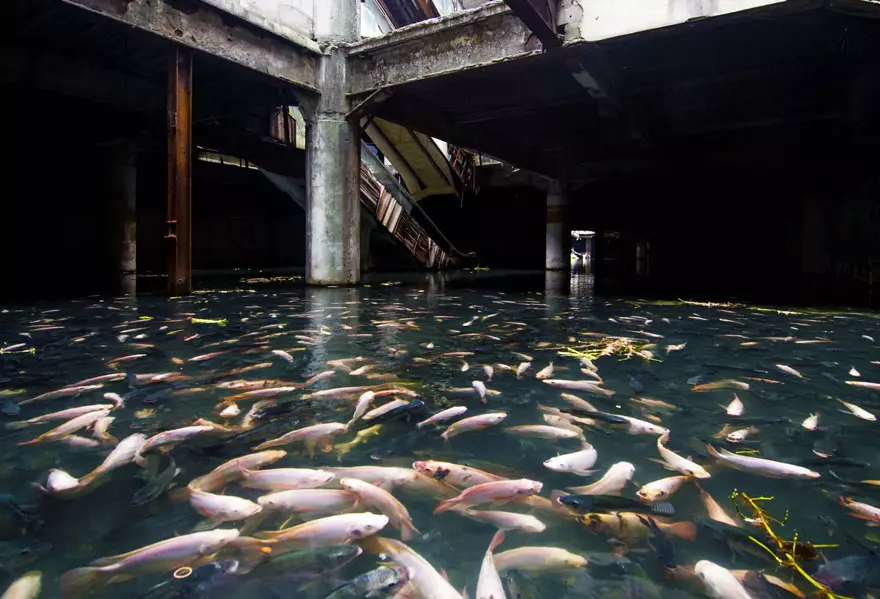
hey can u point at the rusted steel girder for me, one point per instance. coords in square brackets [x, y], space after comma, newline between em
[179, 172]
[540, 17]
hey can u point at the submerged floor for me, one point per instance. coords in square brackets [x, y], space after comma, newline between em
[675, 365]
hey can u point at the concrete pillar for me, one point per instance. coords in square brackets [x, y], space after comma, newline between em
[123, 206]
[337, 21]
[333, 159]
[368, 224]
[557, 253]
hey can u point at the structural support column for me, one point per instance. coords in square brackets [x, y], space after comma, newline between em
[178, 236]
[557, 253]
[333, 158]
[123, 206]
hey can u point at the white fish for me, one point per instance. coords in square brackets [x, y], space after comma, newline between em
[854, 372]
[71, 426]
[481, 389]
[317, 501]
[678, 463]
[863, 384]
[811, 422]
[545, 373]
[588, 386]
[642, 427]
[473, 423]
[465, 366]
[222, 508]
[490, 372]
[738, 436]
[363, 403]
[283, 479]
[231, 411]
[538, 559]
[25, 587]
[543, 431]
[523, 366]
[661, 489]
[164, 556]
[506, 520]
[124, 453]
[789, 370]
[770, 468]
[612, 483]
[720, 583]
[580, 404]
[578, 462]
[283, 355]
[857, 411]
[311, 436]
[489, 585]
[59, 481]
[62, 415]
[385, 502]
[384, 409]
[443, 416]
[735, 407]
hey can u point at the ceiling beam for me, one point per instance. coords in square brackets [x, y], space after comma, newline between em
[208, 29]
[437, 47]
[540, 17]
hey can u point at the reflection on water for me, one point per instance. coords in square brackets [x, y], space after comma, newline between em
[668, 364]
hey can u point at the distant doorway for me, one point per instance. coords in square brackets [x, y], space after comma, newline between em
[582, 250]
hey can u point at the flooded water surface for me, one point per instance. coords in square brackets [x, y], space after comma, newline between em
[558, 403]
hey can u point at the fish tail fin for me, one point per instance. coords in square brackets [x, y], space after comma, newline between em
[251, 524]
[683, 530]
[74, 583]
[497, 539]
[251, 550]
[408, 531]
[446, 505]
[14, 426]
[179, 495]
[31, 442]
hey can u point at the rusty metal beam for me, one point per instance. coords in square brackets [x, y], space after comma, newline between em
[208, 29]
[179, 172]
[540, 17]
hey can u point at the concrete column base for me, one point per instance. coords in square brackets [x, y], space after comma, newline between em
[557, 254]
[123, 206]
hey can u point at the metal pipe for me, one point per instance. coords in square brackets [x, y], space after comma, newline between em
[179, 172]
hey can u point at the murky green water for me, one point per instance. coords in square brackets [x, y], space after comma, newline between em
[402, 333]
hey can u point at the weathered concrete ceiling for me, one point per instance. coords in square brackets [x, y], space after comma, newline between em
[213, 31]
[452, 44]
[701, 89]
[290, 19]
